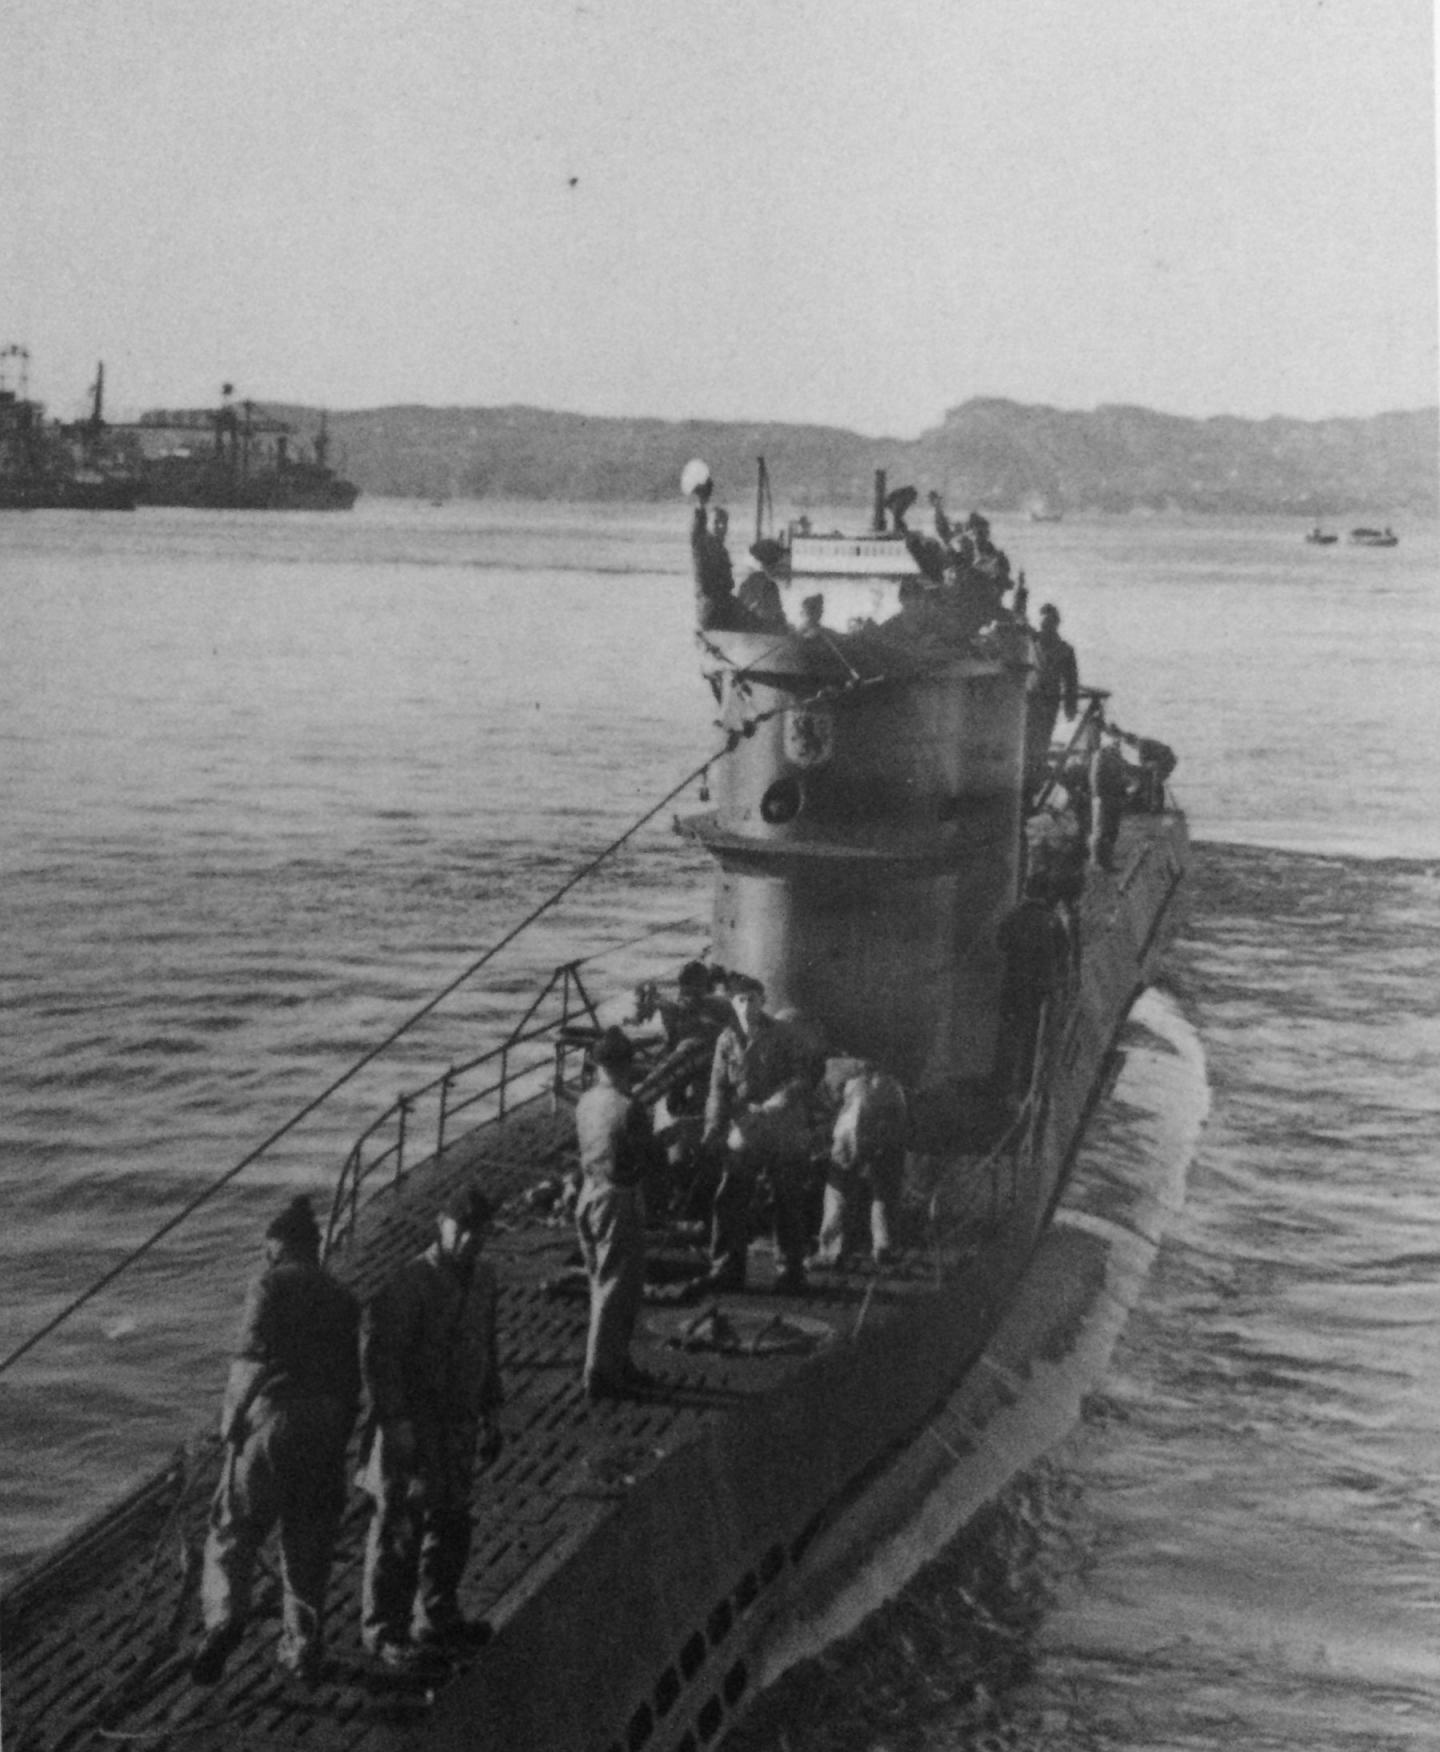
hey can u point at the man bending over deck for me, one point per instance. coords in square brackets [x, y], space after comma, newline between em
[867, 1160]
[429, 1354]
[289, 1405]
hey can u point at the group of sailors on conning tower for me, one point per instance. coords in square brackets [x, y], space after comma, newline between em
[962, 588]
[962, 584]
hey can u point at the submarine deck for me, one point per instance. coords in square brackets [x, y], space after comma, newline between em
[97, 1637]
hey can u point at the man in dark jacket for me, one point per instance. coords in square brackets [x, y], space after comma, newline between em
[1111, 785]
[289, 1406]
[1035, 945]
[1056, 684]
[716, 609]
[430, 1359]
[759, 595]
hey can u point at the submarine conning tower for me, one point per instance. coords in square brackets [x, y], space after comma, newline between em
[867, 833]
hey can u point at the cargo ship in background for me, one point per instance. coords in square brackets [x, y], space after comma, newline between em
[53, 465]
[885, 804]
[240, 459]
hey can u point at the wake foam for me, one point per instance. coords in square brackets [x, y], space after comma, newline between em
[1052, 1347]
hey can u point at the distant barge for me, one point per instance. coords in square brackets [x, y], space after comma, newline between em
[248, 462]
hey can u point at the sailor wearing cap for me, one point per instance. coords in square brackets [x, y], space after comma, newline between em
[290, 1402]
[617, 1151]
[715, 606]
[759, 595]
[1056, 683]
[693, 1021]
[430, 1359]
[757, 1118]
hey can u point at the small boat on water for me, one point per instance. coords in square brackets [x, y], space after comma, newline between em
[1318, 537]
[1378, 538]
[899, 854]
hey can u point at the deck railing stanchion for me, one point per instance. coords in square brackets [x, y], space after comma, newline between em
[445, 1083]
[337, 1202]
[402, 1107]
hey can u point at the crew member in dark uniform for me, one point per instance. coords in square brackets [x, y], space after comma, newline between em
[693, 1022]
[1035, 944]
[431, 1365]
[1156, 763]
[1057, 683]
[290, 1402]
[898, 504]
[716, 609]
[1112, 789]
[759, 595]
[617, 1151]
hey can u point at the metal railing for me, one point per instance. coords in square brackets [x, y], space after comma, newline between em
[1081, 744]
[534, 1053]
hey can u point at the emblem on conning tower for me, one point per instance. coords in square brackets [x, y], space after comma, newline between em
[809, 736]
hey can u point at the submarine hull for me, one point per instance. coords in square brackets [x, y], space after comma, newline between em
[633, 1561]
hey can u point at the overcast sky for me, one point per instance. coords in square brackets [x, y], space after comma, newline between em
[856, 212]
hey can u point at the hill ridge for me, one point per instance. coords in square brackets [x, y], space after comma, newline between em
[988, 451]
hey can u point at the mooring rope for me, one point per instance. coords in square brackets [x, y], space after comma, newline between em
[733, 739]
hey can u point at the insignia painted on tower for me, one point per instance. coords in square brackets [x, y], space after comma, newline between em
[809, 736]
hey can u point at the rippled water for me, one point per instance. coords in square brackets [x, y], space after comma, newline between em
[269, 782]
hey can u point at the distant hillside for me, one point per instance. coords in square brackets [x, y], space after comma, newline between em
[986, 453]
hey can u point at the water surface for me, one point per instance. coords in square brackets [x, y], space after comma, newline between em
[270, 781]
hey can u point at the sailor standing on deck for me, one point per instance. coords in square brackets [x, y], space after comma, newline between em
[759, 596]
[617, 1151]
[1057, 683]
[290, 1402]
[1110, 782]
[693, 1022]
[716, 609]
[1036, 947]
[429, 1355]
[758, 1112]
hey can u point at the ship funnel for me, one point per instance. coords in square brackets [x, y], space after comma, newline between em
[877, 515]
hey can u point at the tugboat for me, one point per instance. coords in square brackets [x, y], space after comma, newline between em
[886, 802]
[1318, 537]
[247, 464]
[1378, 538]
[53, 466]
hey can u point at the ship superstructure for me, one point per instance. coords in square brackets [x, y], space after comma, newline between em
[237, 457]
[51, 465]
